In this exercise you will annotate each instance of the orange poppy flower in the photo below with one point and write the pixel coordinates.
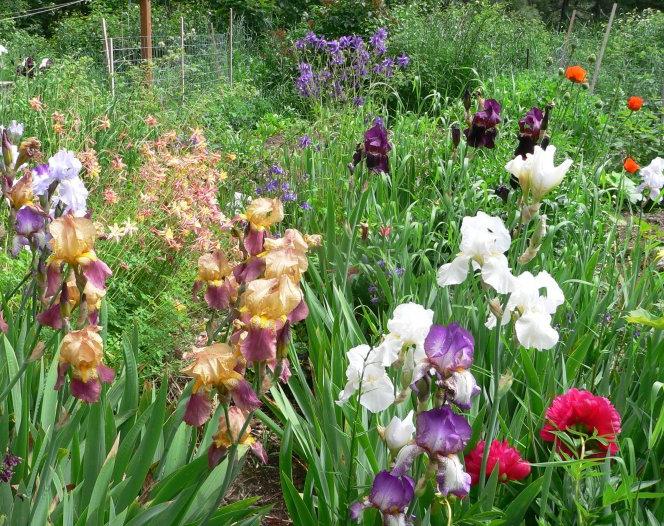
(631, 165)
(635, 103)
(576, 74)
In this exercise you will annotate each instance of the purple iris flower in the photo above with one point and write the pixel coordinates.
(441, 431)
(403, 60)
(345, 41)
(305, 206)
(333, 46)
(440, 434)
(378, 41)
(276, 170)
(376, 147)
(272, 185)
(289, 197)
(358, 101)
(530, 128)
(482, 131)
(29, 221)
(304, 142)
(449, 347)
(391, 495)
(7, 467)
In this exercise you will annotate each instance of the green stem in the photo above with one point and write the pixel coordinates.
(495, 368)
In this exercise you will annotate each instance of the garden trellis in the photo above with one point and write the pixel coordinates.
(180, 63)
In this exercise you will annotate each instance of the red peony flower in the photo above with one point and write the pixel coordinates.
(576, 74)
(583, 411)
(635, 103)
(631, 166)
(510, 464)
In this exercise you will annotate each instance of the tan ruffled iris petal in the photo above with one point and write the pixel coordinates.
(272, 298)
(213, 266)
(263, 212)
(84, 351)
(73, 239)
(229, 432)
(21, 193)
(286, 256)
(214, 366)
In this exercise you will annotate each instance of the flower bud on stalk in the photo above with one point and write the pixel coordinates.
(28, 150)
(7, 154)
(535, 242)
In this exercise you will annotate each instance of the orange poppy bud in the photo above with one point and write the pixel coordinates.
(631, 165)
(635, 103)
(576, 74)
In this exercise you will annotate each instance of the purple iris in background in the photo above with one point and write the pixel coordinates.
(403, 60)
(482, 131)
(391, 495)
(376, 148)
(7, 467)
(530, 128)
(304, 142)
(378, 41)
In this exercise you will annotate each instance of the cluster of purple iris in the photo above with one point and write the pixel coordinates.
(277, 187)
(339, 69)
(8, 464)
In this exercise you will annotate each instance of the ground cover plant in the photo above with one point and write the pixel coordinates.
(392, 282)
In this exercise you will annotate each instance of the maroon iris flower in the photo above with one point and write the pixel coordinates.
(530, 130)
(482, 131)
(375, 149)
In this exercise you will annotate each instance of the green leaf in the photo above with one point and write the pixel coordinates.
(519, 506)
(95, 451)
(13, 369)
(643, 317)
(297, 509)
(100, 490)
(142, 460)
(130, 397)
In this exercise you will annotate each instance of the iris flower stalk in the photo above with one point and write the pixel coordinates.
(495, 403)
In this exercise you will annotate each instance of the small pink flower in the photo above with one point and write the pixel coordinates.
(110, 196)
(385, 230)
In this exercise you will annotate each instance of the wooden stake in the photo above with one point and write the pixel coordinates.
(146, 37)
(182, 56)
(111, 65)
(567, 37)
(598, 64)
(107, 52)
(230, 47)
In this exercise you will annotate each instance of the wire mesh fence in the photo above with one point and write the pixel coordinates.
(179, 64)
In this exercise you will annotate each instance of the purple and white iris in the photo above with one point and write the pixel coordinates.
(441, 434)
(390, 495)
